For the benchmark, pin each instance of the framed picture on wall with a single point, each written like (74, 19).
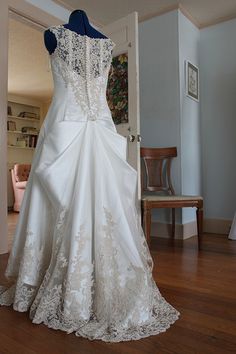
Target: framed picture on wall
(192, 81)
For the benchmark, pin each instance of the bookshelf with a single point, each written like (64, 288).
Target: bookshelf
(23, 124)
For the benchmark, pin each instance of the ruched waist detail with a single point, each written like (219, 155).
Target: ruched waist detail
(74, 109)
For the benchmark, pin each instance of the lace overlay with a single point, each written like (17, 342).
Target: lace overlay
(83, 63)
(116, 301)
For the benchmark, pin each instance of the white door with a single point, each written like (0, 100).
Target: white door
(124, 32)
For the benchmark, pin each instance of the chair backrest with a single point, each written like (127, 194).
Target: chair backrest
(156, 169)
(21, 172)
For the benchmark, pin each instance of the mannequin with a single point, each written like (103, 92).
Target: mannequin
(79, 23)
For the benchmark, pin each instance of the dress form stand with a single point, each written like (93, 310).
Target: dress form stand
(79, 23)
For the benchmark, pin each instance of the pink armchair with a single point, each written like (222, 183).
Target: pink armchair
(19, 174)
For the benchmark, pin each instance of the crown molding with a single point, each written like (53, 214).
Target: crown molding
(188, 15)
(169, 9)
(31, 13)
(218, 20)
(63, 4)
(159, 13)
(163, 11)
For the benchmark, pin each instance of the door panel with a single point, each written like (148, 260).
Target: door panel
(124, 32)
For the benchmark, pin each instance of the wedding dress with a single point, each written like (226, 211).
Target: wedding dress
(80, 261)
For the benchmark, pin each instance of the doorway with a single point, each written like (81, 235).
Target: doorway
(30, 90)
(36, 17)
(125, 33)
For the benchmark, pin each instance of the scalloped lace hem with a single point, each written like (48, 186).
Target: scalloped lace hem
(163, 316)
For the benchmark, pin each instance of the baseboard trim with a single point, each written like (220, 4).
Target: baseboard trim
(182, 231)
(185, 231)
(217, 226)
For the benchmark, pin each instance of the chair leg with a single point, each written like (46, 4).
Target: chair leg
(173, 223)
(199, 213)
(147, 217)
(142, 212)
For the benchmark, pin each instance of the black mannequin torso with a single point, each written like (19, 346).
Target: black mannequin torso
(79, 23)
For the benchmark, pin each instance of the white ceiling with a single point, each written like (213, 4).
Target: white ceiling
(203, 12)
(28, 71)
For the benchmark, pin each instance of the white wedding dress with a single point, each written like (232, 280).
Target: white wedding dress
(79, 261)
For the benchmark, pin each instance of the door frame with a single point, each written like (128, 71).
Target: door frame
(40, 17)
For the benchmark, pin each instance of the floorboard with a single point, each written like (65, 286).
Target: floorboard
(201, 285)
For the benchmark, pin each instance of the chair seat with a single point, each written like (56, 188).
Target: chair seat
(170, 198)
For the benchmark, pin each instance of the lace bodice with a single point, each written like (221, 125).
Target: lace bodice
(82, 63)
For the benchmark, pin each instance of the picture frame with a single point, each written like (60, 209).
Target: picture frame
(192, 81)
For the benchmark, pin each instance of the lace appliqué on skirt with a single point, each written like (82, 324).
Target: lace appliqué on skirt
(110, 299)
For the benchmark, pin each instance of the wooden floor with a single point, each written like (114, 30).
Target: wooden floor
(201, 285)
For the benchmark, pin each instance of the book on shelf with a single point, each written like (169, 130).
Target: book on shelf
(32, 140)
(27, 141)
(11, 125)
(29, 130)
(28, 115)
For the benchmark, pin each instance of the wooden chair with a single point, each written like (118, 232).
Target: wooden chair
(155, 178)
(19, 174)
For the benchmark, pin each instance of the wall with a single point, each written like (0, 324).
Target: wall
(218, 119)
(159, 89)
(189, 38)
(168, 117)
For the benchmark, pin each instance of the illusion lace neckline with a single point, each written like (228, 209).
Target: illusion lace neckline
(86, 36)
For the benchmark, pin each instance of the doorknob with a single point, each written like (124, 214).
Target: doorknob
(131, 138)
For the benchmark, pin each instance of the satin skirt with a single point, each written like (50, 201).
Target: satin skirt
(79, 260)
